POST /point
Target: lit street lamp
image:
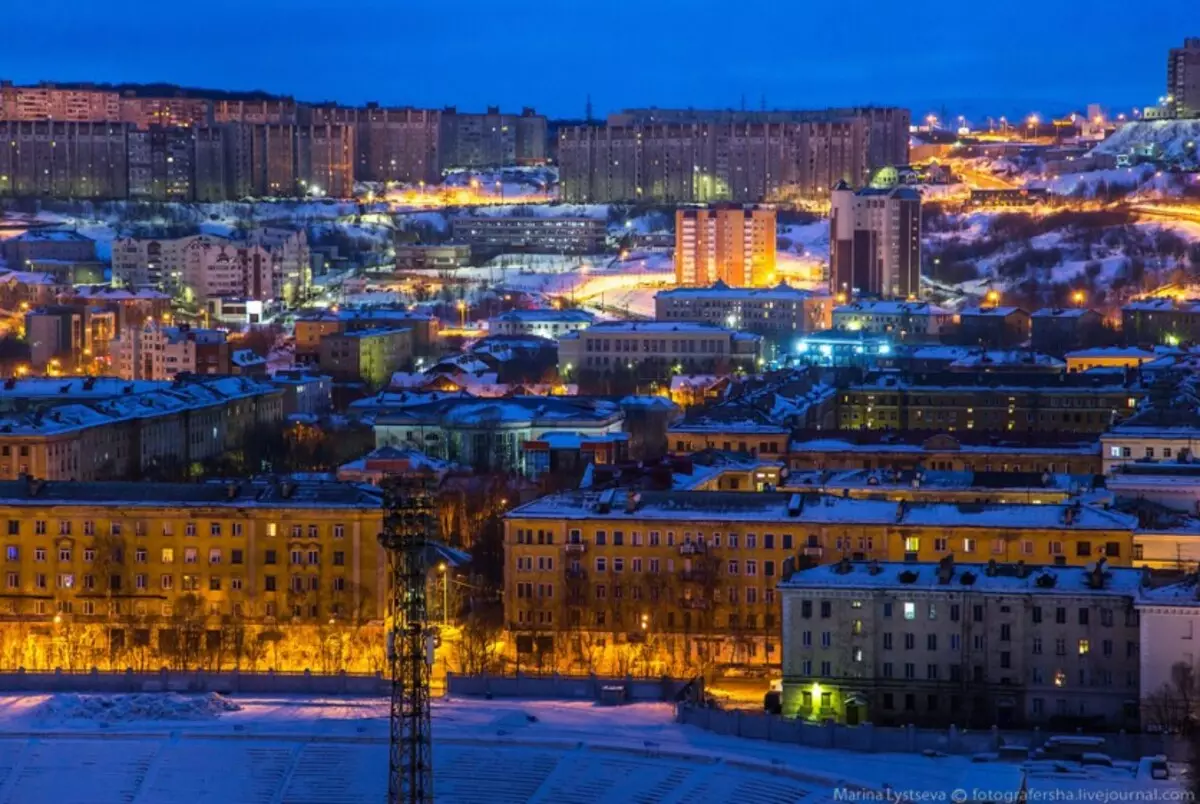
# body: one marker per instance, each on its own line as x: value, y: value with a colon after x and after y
x: 445, y: 592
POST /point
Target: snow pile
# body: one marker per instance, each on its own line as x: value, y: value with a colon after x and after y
x: 142, y: 706
x: 1174, y: 140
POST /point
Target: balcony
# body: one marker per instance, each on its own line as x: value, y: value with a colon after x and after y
x: 694, y: 575
x: 576, y: 574
x: 575, y: 547
x: 690, y: 548
x: 814, y: 552
x: 694, y: 603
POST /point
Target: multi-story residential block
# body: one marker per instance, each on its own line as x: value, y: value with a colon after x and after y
x: 398, y: 144
x: 491, y: 138
x: 1148, y: 440
x: 217, y: 268
x: 325, y: 159
x: 701, y: 156
x: 1109, y: 357
x: 655, y: 349
x: 48, y: 102
x: 37, y: 245
x: 147, y: 561
x: 875, y: 242
x: 1056, y: 330
x: 1167, y: 321
x: 153, y: 352
x: 305, y: 392
x: 53, y: 158
x: 103, y: 428
x: 778, y: 314
x: 145, y: 112
x: 725, y: 243
x: 312, y: 327
x: 1183, y: 79
x: 551, y: 324
x: 992, y: 327
x: 975, y: 644
x: 69, y: 339
x: 700, y: 568
x: 132, y: 308
x: 489, y: 433
x: 255, y: 110
x: 581, y: 235
x: 962, y: 451
x: 1009, y: 403
x: 162, y: 164
x: 440, y: 256
x: 366, y: 355
x: 910, y: 320
x: 919, y: 485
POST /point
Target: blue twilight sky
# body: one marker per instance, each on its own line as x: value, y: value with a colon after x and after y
x: 971, y: 57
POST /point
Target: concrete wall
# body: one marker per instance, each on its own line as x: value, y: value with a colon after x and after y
x: 907, y: 739
x: 570, y: 687
x: 196, y: 681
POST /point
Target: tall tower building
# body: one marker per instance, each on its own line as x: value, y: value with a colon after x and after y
x: 728, y: 242
x: 875, y: 242
x: 1183, y: 79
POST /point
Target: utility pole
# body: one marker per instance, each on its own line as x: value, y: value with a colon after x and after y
x: 408, y: 523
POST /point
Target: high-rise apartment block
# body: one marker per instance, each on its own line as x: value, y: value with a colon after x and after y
x: 875, y: 242
x: 1183, y: 79
x: 492, y: 139
x: 727, y: 243
x: 701, y: 156
x: 69, y: 159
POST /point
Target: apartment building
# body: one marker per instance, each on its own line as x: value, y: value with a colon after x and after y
x: 66, y: 159
x: 700, y: 568
x: 875, y: 242
x: 137, y: 557
x: 48, y: 102
x: 162, y: 164
x: 1055, y: 330
x: 366, y: 355
x: 656, y: 349
x: 570, y: 235
x: 730, y: 244
x: 216, y: 268
x: 961, y: 451
x: 312, y: 327
x: 1016, y: 402
x: 491, y: 138
x: 992, y: 327
x: 1161, y: 321
x: 103, y: 428
x: 69, y: 338
x: 37, y: 245
x: 540, y: 323
x: 398, y: 144
x: 899, y: 318
x: 979, y: 644
x: 778, y: 313
x: 1183, y: 79
x: 153, y: 352
x: 701, y: 156
x: 325, y: 160
x: 489, y: 434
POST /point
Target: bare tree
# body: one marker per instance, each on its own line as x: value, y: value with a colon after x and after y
x: 1173, y: 706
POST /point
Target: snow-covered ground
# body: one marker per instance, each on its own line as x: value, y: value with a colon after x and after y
x: 328, y: 750
x: 1169, y: 139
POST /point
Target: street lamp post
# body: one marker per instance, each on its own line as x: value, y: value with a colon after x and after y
x: 445, y: 593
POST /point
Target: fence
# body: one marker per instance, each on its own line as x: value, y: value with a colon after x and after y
x: 591, y: 687
x: 908, y: 739
x: 231, y: 682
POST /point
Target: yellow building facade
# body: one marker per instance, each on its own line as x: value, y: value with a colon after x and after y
x: 186, y: 571
x: 690, y: 577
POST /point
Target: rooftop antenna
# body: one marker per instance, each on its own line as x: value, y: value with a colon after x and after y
x: 588, y: 111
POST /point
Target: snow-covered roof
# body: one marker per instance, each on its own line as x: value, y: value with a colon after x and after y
x: 1009, y: 579
x: 212, y: 494
x: 546, y: 316
x: 245, y: 358
x: 779, y: 510
x: 603, y: 327
x: 106, y: 293
x: 1111, y: 351
x: 1001, y: 312
x: 723, y: 292
x: 1164, y: 305
x: 890, y: 308
x: 41, y: 235
x: 833, y: 444
x: 1063, y: 312
x: 511, y: 411
x: 1006, y: 357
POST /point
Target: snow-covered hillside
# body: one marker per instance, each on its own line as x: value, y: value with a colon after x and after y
x: 1173, y: 140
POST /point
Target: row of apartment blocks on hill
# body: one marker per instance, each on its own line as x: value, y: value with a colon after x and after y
x: 699, y: 156
x: 97, y: 143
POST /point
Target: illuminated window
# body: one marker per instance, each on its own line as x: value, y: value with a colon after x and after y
x: 1084, y: 647
x: 1060, y: 678
x: 912, y: 544
x: 910, y: 611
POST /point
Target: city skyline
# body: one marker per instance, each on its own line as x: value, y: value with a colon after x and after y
x: 889, y: 56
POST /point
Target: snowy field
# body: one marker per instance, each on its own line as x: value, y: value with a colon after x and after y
x: 152, y: 749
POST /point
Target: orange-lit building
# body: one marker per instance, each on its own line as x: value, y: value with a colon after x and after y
x: 731, y: 243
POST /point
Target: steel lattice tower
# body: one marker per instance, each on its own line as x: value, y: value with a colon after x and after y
x: 408, y: 522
